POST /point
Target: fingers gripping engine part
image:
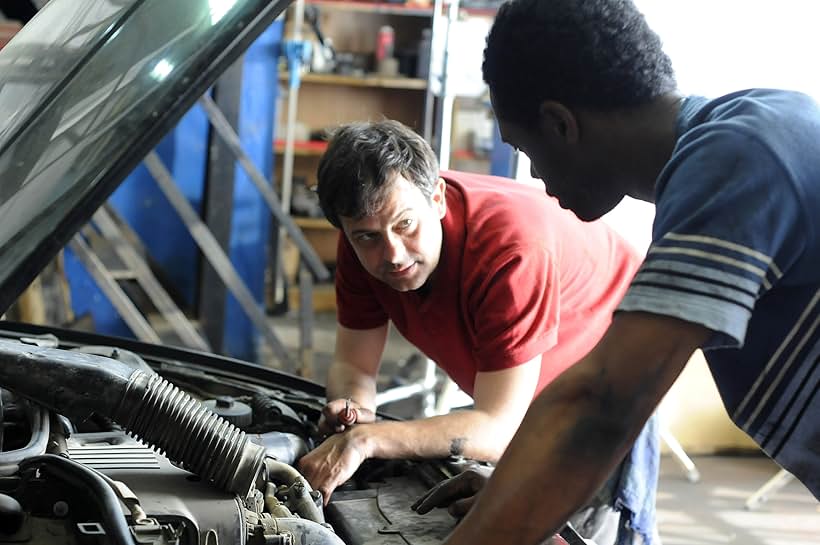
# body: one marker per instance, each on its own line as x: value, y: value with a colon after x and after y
x: 147, y: 406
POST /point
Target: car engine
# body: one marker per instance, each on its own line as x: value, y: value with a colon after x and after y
x: 99, y: 447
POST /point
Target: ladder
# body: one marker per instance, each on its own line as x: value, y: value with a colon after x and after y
x: 108, y: 233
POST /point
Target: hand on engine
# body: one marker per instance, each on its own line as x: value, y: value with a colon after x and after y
x: 334, y: 461
x: 457, y: 493
x: 330, y: 421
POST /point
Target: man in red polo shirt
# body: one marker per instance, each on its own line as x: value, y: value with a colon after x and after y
x: 493, y: 281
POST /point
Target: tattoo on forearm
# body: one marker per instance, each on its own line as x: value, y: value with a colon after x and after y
x: 457, y: 446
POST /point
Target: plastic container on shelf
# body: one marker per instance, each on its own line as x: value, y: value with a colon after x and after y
x: 423, y: 63
x: 385, y: 42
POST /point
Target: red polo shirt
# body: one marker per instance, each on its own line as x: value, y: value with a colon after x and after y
x: 518, y: 276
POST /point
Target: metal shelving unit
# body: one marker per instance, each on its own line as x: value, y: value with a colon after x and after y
x: 370, y: 80
x: 373, y: 7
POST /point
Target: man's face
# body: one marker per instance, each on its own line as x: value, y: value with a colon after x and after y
x: 401, y: 244
x: 569, y: 173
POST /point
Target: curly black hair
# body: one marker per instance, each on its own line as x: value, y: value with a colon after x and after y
x: 362, y: 159
x: 595, y: 54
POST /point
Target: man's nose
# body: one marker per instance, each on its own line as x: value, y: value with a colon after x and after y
x: 394, y: 250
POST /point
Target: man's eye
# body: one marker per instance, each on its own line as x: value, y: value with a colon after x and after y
x: 366, y: 237
x: 405, y: 224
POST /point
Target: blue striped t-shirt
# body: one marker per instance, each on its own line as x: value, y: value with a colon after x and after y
x: 736, y: 248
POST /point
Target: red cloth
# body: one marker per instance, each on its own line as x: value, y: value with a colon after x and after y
x: 518, y: 276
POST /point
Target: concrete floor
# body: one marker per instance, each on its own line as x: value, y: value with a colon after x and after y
x: 712, y: 511
x: 709, y: 512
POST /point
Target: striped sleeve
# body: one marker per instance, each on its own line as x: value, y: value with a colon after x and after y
x: 727, y: 224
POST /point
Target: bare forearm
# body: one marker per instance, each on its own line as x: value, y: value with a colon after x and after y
x: 344, y: 381
x: 473, y: 434
x: 572, y: 437
x: 561, y: 473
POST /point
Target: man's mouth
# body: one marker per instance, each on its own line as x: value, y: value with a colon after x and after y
x: 405, y: 270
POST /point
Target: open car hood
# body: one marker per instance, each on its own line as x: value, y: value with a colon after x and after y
x: 87, y: 89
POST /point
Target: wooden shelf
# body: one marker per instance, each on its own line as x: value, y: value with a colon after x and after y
x: 374, y: 7
x: 302, y: 148
x: 397, y: 82
x: 313, y: 223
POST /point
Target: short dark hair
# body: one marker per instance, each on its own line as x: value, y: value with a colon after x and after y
x: 595, y: 54
x: 362, y: 160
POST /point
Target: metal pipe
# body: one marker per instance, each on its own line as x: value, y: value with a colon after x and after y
x: 300, y: 494
x: 293, y: 102
x: 433, y: 71
x: 282, y: 446
x: 445, y: 117
x: 294, y: 79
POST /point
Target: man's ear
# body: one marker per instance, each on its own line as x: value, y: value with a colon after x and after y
x: 557, y: 121
x: 439, y: 197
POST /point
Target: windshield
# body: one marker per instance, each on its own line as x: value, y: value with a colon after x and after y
x: 86, y: 89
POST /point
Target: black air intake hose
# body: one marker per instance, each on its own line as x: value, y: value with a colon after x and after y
x: 177, y: 425
x: 147, y: 406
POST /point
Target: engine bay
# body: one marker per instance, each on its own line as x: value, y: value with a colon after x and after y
x: 99, y: 445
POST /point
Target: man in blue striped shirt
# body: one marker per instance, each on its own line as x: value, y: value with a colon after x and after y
x: 585, y: 90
